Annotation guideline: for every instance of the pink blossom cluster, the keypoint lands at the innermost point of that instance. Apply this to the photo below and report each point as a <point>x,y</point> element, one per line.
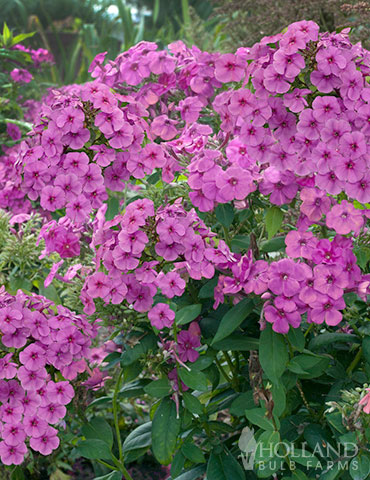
<point>292,125</point>
<point>45,347</point>
<point>311,281</point>
<point>132,248</point>
<point>12,198</point>
<point>21,75</point>
<point>62,173</point>
<point>285,141</point>
<point>38,56</point>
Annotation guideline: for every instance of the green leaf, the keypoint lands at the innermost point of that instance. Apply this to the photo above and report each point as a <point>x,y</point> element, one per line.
<point>243,401</point>
<point>165,429</point>
<point>359,468</point>
<point>100,401</point>
<point>279,398</point>
<point>225,214</point>
<point>273,354</point>
<point>204,360</point>
<point>192,403</point>
<point>7,35</point>
<point>177,464</point>
<point>188,314</point>
<point>158,388</point>
<point>329,338</point>
<point>50,292</point>
<point>237,342</point>
<point>305,458</point>
<point>110,476</point>
<point>153,179</point>
<point>193,453</point>
<point>224,466</point>
<point>17,474</point>
<point>333,472</point>
<point>240,243</point>
<point>19,38</point>
<point>194,379</point>
<point>363,256</point>
<point>16,283</point>
<point>273,219</point>
<point>299,475</point>
<point>129,356</point>
<point>366,348</point>
<point>273,245</point>
<point>257,416</point>
<point>308,366</point>
<point>193,474</point>
<point>137,442</point>
<point>296,338</point>
<point>233,318</point>
<point>208,289</point>
<point>100,429</point>
<point>267,445</point>
<point>133,389</point>
<point>112,209</point>
<point>94,449</point>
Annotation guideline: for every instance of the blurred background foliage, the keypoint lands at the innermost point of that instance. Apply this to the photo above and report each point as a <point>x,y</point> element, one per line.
<point>247,21</point>
<point>76,30</point>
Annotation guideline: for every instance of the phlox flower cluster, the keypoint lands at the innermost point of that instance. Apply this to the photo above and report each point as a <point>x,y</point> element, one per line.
<point>129,254</point>
<point>44,347</point>
<point>38,56</point>
<point>128,270</point>
<point>286,141</point>
<point>56,171</point>
<point>12,197</point>
<point>311,281</point>
<point>292,124</point>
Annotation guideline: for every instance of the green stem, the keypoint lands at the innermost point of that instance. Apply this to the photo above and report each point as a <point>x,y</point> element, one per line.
<point>324,231</point>
<point>229,362</point>
<point>355,361</point>
<point>301,392</point>
<point>291,351</point>
<point>120,463</point>
<point>233,371</point>
<point>177,363</point>
<point>227,236</point>
<point>308,330</point>
<point>106,464</point>
<point>222,370</point>
<point>115,415</point>
<point>356,330</point>
<point>125,195</point>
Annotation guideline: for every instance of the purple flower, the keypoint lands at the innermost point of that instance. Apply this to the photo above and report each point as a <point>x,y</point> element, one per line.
<point>285,276</point>
<point>315,203</point>
<point>171,284</point>
<point>229,68</point>
<point>344,218</point>
<point>325,308</point>
<point>21,75</point>
<point>282,314</point>
<point>330,280</point>
<point>300,244</point>
<point>161,316</point>
<point>187,342</point>
<point>234,184</point>
<point>330,60</point>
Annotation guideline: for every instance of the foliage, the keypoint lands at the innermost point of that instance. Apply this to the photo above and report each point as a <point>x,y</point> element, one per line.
<point>246,22</point>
